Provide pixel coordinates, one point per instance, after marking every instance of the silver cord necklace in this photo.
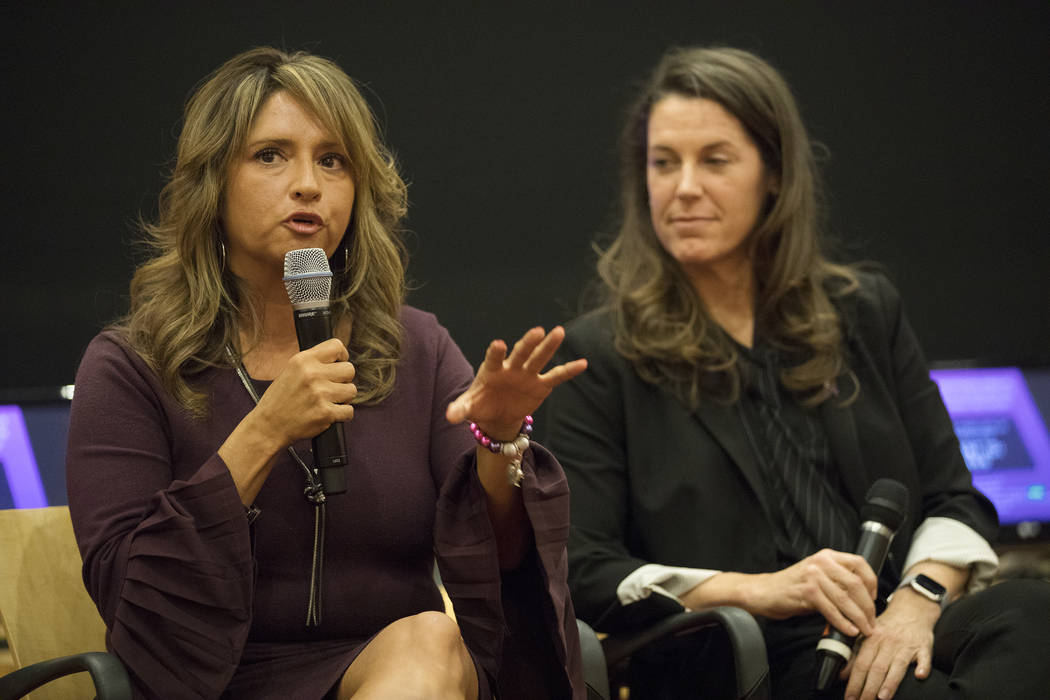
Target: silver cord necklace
(314, 493)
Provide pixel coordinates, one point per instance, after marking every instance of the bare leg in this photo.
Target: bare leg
(422, 656)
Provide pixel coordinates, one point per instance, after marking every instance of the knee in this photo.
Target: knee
(420, 656)
(1000, 641)
(1021, 602)
(431, 633)
(433, 642)
(1010, 614)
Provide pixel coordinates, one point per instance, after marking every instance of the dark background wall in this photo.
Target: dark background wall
(504, 118)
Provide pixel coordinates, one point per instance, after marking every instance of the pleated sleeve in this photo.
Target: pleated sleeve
(165, 542)
(519, 624)
(496, 610)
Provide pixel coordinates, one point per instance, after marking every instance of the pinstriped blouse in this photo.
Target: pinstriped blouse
(807, 500)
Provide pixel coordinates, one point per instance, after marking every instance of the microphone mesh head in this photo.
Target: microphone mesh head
(886, 503)
(307, 277)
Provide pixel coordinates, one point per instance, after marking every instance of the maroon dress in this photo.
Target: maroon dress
(200, 604)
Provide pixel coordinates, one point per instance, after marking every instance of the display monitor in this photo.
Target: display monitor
(33, 430)
(1001, 414)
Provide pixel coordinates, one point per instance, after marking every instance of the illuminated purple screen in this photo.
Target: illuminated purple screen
(18, 461)
(33, 453)
(999, 414)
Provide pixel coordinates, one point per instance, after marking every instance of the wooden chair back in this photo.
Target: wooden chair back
(44, 608)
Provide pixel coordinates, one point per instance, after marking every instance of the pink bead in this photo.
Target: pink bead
(485, 441)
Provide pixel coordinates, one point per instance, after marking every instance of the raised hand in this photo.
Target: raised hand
(509, 387)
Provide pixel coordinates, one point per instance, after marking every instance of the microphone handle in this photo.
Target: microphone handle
(330, 458)
(835, 648)
(314, 326)
(874, 544)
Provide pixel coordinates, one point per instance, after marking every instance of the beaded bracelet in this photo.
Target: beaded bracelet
(514, 449)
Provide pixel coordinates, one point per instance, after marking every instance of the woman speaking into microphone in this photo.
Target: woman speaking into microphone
(218, 561)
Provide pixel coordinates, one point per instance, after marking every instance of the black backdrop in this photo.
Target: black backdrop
(504, 118)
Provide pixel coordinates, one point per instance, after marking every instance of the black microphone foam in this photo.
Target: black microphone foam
(308, 281)
(886, 503)
(883, 512)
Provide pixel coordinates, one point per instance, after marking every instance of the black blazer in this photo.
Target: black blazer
(653, 482)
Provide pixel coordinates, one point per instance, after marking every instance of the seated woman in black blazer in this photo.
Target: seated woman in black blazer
(743, 394)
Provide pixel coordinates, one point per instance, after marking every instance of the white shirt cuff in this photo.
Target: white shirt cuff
(671, 581)
(948, 541)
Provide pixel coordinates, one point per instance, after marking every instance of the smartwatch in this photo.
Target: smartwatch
(926, 587)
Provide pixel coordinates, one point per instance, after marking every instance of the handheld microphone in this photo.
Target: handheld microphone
(885, 507)
(308, 281)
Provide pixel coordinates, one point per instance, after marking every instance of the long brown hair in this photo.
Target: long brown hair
(660, 323)
(185, 306)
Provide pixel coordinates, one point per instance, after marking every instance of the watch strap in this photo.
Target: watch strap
(926, 587)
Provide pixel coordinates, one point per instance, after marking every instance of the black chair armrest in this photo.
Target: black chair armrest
(595, 672)
(745, 637)
(107, 673)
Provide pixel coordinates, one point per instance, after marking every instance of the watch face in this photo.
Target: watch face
(930, 585)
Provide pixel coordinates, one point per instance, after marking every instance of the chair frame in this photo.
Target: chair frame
(107, 673)
(745, 639)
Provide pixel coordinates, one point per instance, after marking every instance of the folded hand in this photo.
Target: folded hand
(903, 634)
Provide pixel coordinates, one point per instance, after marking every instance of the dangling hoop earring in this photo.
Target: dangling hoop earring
(222, 257)
(346, 260)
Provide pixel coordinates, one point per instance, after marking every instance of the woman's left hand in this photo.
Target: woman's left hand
(903, 634)
(509, 387)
